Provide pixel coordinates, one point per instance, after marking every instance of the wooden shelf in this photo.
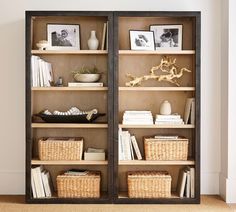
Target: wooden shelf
(125, 195)
(156, 88)
(69, 88)
(69, 125)
(86, 52)
(132, 52)
(147, 163)
(68, 162)
(157, 126)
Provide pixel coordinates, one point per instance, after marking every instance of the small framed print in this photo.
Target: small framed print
(63, 36)
(141, 40)
(167, 37)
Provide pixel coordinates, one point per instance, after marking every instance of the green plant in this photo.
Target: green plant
(86, 70)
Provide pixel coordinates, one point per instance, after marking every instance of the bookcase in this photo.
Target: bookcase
(98, 134)
(150, 94)
(112, 99)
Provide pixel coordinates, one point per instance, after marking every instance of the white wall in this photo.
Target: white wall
(12, 124)
(228, 103)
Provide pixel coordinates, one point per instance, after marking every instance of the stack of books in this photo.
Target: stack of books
(128, 146)
(41, 183)
(138, 118)
(173, 119)
(85, 84)
(186, 182)
(41, 72)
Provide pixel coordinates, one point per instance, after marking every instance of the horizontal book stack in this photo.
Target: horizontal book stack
(85, 84)
(128, 146)
(138, 118)
(41, 72)
(41, 183)
(186, 182)
(173, 119)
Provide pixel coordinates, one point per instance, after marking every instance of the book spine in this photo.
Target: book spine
(136, 148)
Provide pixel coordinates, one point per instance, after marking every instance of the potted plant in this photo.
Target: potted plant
(86, 74)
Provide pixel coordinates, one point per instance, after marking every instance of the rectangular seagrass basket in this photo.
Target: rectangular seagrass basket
(74, 186)
(60, 148)
(149, 184)
(172, 149)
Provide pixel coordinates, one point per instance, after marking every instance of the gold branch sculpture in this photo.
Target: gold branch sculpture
(167, 66)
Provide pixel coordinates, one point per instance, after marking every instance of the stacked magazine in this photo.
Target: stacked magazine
(173, 119)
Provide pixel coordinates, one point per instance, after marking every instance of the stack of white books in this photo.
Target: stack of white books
(173, 119)
(41, 72)
(138, 118)
(41, 183)
(128, 146)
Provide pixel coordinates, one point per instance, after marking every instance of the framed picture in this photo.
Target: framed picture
(141, 40)
(63, 36)
(167, 37)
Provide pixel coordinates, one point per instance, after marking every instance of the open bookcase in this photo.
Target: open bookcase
(150, 94)
(113, 99)
(98, 134)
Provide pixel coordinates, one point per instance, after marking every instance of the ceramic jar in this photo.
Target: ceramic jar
(93, 41)
(165, 108)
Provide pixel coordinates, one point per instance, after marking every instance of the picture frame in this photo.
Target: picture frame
(141, 40)
(167, 36)
(63, 36)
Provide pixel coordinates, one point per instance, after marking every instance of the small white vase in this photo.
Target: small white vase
(93, 41)
(165, 108)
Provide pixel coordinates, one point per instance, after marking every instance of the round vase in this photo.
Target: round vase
(165, 108)
(93, 41)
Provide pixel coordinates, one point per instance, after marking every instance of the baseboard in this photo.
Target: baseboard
(227, 189)
(210, 183)
(12, 182)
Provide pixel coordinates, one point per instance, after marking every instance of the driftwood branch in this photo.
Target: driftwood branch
(167, 66)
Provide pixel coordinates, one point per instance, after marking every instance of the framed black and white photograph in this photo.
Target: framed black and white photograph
(167, 37)
(141, 40)
(63, 36)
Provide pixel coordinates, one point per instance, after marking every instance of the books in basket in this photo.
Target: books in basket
(85, 84)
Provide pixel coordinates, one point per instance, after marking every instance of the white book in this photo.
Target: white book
(33, 185)
(32, 67)
(137, 123)
(170, 120)
(181, 183)
(192, 115)
(136, 148)
(169, 117)
(85, 84)
(45, 184)
(192, 181)
(37, 71)
(107, 29)
(49, 180)
(104, 36)
(121, 147)
(126, 144)
(187, 110)
(169, 123)
(187, 187)
(38, 182)
(137, 112)
(131, 148)
(40, 73)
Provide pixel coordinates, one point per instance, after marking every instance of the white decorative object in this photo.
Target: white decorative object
(87, 77)
(93, 41)
(165, 108)
(42, 45)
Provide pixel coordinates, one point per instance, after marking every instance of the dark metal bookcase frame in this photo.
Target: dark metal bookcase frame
(29, 139)
(196, 16)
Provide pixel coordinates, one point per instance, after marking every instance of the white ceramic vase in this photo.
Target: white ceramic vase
(165, 108)
(93, 41)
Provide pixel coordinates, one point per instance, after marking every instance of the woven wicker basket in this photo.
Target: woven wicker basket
(159, 149)
(60, 149)
(149, 184)
(72, 186)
